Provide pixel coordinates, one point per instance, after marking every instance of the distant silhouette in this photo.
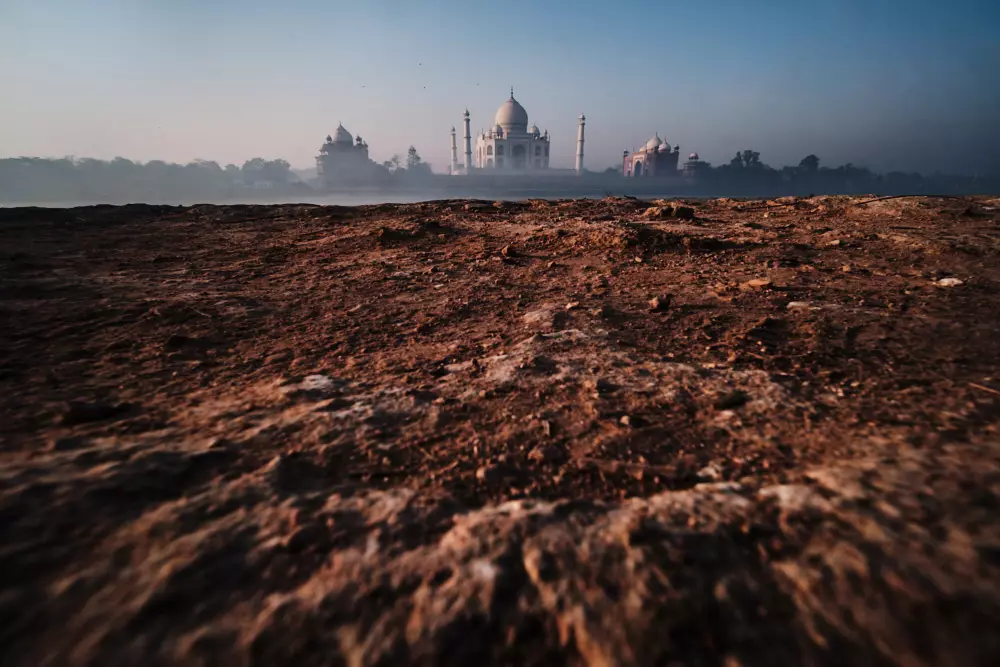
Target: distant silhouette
(85, 180)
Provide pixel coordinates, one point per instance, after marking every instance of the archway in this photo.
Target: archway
(489, 163)
(517, 154)
(637, 170)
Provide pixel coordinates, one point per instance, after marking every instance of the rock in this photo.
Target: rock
(758, 282)
(460, 366)
(546, 317)
(658, 212)
(546, 454)
(80, 412)
(797, 305)
(625, 420)
(572, 305)
(684, 212)
(311, 386)
(949, 282)
(659, 303)
(733, 399)
(508, 251)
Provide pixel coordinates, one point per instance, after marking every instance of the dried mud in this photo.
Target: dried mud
(538, 433)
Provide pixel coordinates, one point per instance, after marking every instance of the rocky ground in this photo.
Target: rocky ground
(473, 433)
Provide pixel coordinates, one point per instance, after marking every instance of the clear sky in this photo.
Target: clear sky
(889, 84)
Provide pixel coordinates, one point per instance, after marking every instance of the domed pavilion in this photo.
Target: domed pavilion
(655, 158)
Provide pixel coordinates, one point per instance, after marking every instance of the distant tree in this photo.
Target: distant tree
(277, 171)
(809, 163)
(412, 158)
(209, 165)
(751, 158)
(259, 170)
(737, 161)
(612, 171)
(395, 163)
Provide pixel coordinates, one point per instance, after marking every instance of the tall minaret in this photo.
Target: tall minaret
(579, 145)
(468, 143)
(454, 152)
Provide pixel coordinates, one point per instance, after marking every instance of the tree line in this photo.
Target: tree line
(29, 179)
(746, 174)
(85, 180)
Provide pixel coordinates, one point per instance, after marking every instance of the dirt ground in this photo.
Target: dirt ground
(516, 433)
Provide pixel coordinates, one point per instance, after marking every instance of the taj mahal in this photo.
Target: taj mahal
(510, 146)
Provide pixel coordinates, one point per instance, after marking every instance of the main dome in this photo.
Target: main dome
(512, 116)
(654, 142)
(342, 136)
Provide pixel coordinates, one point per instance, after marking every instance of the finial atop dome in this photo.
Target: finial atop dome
(512, 92)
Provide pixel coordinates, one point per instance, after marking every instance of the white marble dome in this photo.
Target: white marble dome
(511, 115)
(654, 142)
(342, 136)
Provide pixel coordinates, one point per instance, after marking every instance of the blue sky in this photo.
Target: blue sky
(890, 84)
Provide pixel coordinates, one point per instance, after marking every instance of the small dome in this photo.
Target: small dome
(342, 136)
(693, 156)
(511, 115)
(653, 143)
(664, 147)
(533, 130)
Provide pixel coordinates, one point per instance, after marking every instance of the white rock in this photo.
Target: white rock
(949, 282)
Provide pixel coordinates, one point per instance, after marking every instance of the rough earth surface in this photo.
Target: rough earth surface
(472, 433)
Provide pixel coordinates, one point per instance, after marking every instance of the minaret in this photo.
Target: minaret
(468, 144)
(454, 152)
(579, 145)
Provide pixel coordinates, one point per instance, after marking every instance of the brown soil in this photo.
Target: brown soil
(473, 433)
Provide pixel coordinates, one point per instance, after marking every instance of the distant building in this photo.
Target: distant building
(510, 146)
(694, 167)
(654, 159)
(343, 159)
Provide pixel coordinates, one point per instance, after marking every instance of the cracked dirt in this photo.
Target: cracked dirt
(503, 433)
